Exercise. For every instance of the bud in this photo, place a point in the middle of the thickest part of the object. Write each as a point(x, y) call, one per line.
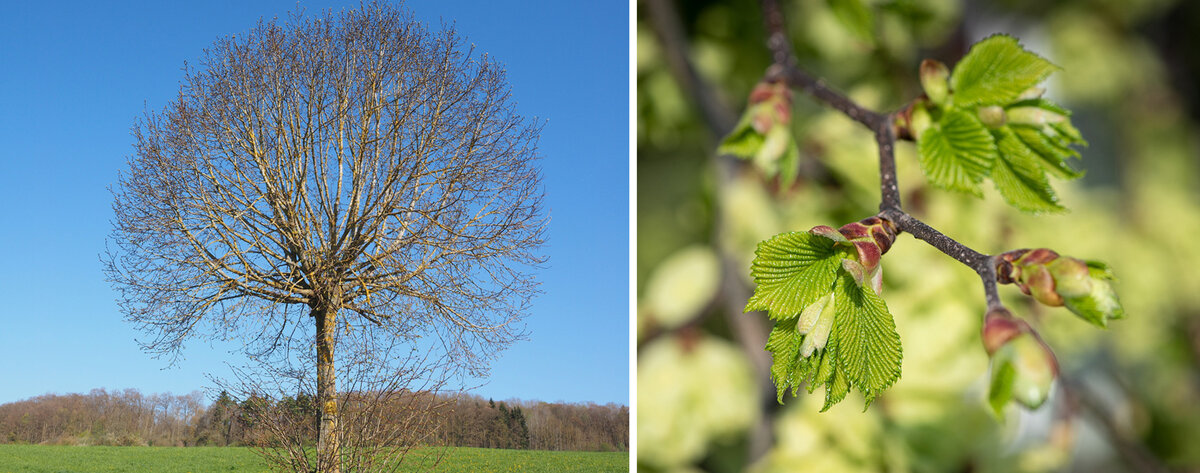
point(920, 120)
point(812, 313)
point(1035, 368)
point(999, 326)
point(770, 105)
point(773, 147)
point(871, 237)
point(1023, 367)
point(1031, 93)
point(827, 232)
point(1084, 287)
point(764, 134)
point(1032, 116)
point(933, 80)
point(992, 116)
point(819, 325)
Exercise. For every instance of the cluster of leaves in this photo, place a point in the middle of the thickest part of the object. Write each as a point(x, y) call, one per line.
point(989, 119)
point(986, 119)
point(764, 134)
point(832, 328)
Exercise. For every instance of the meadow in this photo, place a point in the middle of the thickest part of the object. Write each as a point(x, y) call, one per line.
point(95, 459)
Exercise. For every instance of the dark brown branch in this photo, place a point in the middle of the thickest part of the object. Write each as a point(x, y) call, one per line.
point(818, 90)
point(889, 189)
point(881, 124)
point(785, 62)
point(982, 264)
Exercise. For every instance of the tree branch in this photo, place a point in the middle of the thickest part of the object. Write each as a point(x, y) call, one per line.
point(984, 265)
point(885, 136)
point(889, 189)
point(786, 67)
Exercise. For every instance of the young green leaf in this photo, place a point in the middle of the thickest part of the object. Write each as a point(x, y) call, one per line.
point(1000, 390)
point(744, 141)
point(996, 71)
point(866, 338)
point(784, 345)
point(789, 164)
point(1020, 178)
point(832, 329)
point(862, 349)
point(1100, 303)
point(791, 271)
point(763, 135)
point(957, 152)
point(836, 390)
point(790, 367)
point(1052, 154)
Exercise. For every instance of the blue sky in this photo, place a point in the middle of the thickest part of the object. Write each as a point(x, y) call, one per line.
point(75, 75)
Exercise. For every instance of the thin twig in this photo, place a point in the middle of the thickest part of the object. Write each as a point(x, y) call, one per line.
point(889, 189)
point(781, 52)
point(982, 264)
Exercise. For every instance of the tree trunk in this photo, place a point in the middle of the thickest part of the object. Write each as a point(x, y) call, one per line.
point(328, 447)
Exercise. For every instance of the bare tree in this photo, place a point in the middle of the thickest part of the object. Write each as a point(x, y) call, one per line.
point(345, 170)
point(388, 403)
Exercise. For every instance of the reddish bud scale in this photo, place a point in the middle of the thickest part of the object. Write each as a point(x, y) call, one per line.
point(762, 92)
point(1006, 272)
point(1044, 274)
point(855, 231)
point(868, 254)
point(827, 232)
point(1039, 283)
point(1038, 256)
point(999, 326)
point(1013, 255)
point(771, 101)
point(872, 237)
point(883, 231)
point(783, 109)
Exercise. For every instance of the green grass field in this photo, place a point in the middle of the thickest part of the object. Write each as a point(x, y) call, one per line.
point(59, 459)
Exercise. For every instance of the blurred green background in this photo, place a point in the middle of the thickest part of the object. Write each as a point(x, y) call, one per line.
point(705, 402)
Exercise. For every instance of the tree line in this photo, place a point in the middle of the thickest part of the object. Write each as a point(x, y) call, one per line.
point(128, 417)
